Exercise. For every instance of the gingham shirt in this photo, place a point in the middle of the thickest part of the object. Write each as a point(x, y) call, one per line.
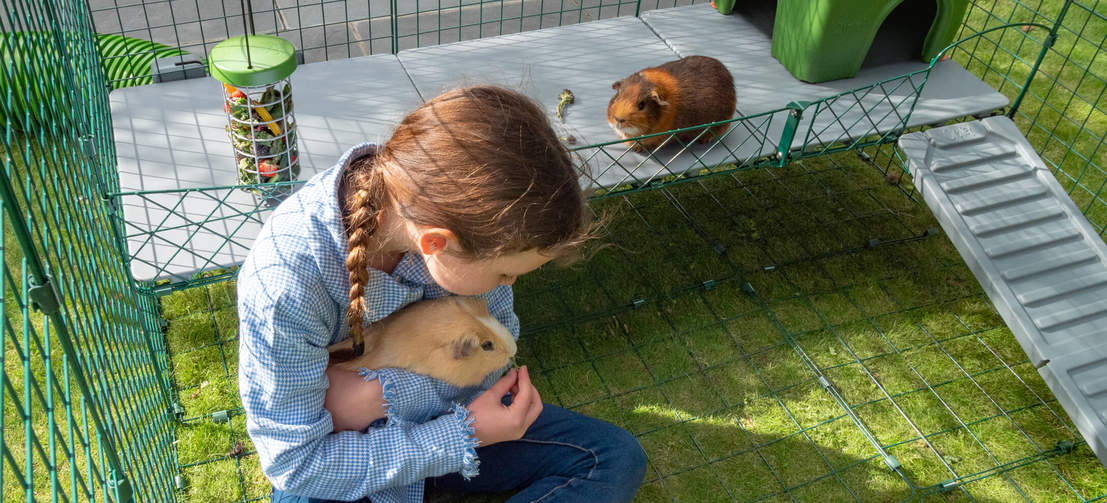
point(292, 298)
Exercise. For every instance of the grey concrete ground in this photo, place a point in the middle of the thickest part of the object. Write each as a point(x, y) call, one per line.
point(335, 29)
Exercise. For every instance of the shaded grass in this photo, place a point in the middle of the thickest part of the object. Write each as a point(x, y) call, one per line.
point(720, 384)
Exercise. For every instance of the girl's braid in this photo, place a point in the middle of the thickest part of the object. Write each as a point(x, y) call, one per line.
point(365, 197)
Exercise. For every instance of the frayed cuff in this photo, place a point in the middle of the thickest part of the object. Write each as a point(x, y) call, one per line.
point(388, 392)
point(470, 463)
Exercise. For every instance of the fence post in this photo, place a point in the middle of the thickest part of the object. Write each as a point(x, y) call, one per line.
point(1046, 45)
point(392, 16)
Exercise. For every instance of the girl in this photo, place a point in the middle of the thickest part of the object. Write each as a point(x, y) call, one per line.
point(472, 190)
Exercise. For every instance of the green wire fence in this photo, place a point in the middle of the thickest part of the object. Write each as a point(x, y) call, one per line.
point(738, 349)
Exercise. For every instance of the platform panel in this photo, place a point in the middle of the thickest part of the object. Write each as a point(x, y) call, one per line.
point(744, 44)
point(584, 58)
point(1040, 261)
point(171, 136)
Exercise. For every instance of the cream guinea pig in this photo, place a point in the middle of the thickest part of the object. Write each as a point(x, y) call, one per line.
point(452, 338)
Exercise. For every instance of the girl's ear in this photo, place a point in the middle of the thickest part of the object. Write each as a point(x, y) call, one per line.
point(434, 240)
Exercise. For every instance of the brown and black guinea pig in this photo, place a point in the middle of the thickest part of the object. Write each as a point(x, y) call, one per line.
point(453, 338)
point(678, 94)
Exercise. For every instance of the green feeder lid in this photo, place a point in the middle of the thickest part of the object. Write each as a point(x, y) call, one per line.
point(272, 59)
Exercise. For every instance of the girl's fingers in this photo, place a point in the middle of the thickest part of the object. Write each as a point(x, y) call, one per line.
point(507, 382)
point(521, 401)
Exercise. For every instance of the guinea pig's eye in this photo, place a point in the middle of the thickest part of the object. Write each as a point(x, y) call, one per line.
point(487, 346)
point(641, 105)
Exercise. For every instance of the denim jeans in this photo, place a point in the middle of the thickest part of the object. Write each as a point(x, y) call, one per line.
point(564, 457)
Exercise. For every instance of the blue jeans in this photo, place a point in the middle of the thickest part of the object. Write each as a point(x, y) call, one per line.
point(564, 457)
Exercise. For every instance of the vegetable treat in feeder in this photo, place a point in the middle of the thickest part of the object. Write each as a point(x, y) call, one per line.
point(257, 97)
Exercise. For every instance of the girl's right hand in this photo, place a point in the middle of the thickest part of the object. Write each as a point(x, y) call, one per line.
point(494, 422)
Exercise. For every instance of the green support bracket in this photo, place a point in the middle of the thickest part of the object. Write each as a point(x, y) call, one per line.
point(44, 297)
point(220, 416)
point(637, 303)
point(709, 284)
point(88, 145)
point(892, 462)
point(121, 486)
point(790, 127)
point(162, 290)
point(748, 288)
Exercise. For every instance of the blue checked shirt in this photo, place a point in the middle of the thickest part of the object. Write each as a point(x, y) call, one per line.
point(292, 298)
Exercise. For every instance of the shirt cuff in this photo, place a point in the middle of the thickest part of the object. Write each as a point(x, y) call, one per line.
point(457, 421)
point(470, 463)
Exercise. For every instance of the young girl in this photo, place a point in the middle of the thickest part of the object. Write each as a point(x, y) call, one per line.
point(472, 190)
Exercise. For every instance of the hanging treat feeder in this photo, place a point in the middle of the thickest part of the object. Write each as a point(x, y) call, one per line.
point(257, 96)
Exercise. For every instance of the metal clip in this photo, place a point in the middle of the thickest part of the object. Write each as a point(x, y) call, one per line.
point(44, 297)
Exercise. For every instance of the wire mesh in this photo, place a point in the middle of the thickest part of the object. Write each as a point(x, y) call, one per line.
point(767, 334)
point(785, 333)
point(333, 29)
point(1062, 112)
point(83, 379)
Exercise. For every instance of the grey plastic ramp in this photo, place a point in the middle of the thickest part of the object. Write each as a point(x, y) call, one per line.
point(585, 58)
point(763, 84)
point(171, 136)
point(1040, 261)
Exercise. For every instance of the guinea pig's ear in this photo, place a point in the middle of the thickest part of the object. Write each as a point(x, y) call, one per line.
point(616, 84)
point(464, 346)
point(657, 97)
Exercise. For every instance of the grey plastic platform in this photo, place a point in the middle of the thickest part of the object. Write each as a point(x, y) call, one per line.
point(763, 84)
point(1037, 257)
point(172, 136)
point(585, 58)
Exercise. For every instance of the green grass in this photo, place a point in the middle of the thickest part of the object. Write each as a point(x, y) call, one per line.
point(715, 369)
point(726, 407)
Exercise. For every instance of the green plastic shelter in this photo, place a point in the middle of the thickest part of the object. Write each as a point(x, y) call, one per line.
point(821, 40)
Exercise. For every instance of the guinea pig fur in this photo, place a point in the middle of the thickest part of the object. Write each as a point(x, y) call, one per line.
point(452, 338)
point(678, 94)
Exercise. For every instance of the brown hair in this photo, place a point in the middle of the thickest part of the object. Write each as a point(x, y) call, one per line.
point(481, 161)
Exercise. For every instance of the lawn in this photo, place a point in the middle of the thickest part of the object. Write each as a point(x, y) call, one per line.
point(660, 334)
point(774, 334)
point(770, 335)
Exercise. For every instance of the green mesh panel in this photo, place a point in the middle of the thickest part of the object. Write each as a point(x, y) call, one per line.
point(776, 328)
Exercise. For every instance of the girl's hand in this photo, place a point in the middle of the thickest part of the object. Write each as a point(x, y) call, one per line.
point(494, 422)
point(352, 402)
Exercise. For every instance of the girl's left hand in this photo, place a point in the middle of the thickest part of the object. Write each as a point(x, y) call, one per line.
point(353, 402)
point(494, 422)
